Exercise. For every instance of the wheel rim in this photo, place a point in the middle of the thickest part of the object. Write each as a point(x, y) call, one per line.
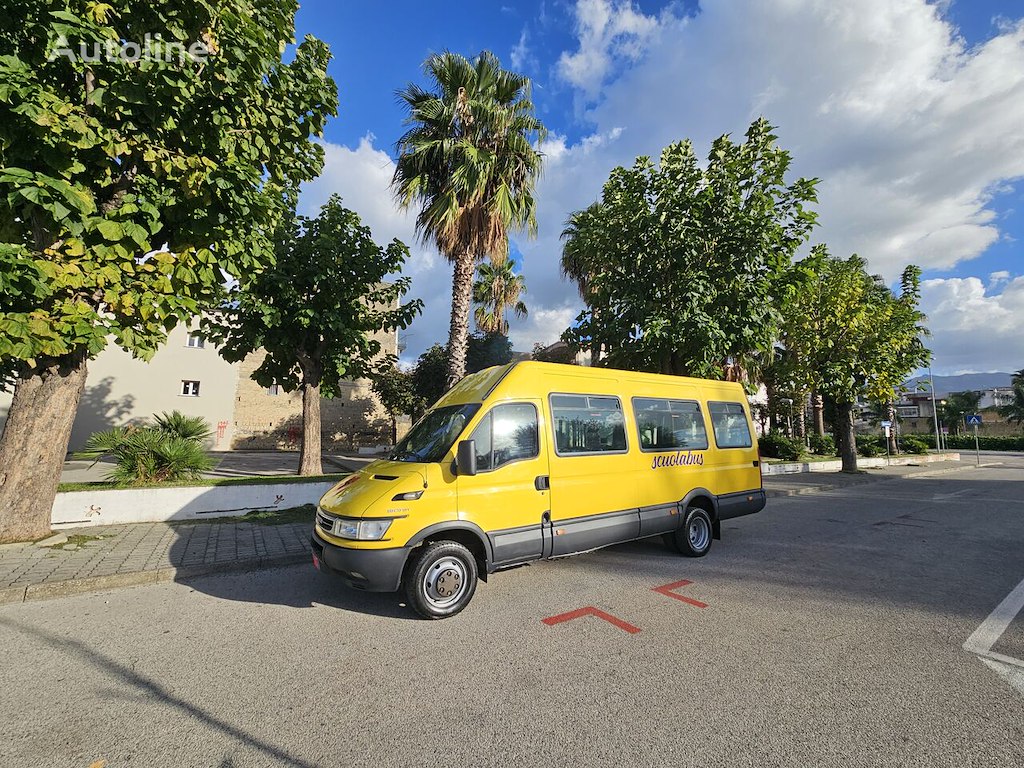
point(699, 533)
point(445, 582)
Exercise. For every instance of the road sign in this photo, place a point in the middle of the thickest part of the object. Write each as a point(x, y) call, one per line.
point(973, 419)
point(945, 430)
point(886, 424)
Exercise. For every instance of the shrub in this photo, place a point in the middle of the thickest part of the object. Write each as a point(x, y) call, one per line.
point(823, 445)
point(912, 444)
point(776, 446)
point(171, 450)
point(986, 442)
point(869, 446)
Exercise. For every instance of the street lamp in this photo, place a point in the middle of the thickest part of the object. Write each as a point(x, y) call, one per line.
point(935, 412)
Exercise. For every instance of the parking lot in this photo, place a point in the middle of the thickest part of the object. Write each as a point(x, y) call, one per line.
point(827, 630)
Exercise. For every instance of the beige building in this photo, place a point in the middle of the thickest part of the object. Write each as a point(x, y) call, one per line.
point(190, 376)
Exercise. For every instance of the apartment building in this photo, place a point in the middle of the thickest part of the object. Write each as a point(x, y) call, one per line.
point(190, 376)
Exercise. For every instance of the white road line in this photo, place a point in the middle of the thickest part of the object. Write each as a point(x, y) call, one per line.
point(992, 628)
point(984, 637)
point(953, 495)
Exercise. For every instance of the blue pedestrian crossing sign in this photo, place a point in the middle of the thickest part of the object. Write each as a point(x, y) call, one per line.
point(973, 419)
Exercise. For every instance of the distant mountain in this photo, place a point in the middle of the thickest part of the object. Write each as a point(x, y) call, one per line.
point(962, 383)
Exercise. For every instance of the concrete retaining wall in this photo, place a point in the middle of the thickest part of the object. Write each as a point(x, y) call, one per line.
point(862, 463)
point(74, 509)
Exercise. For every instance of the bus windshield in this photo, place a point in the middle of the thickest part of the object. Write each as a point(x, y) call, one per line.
point(433, 435)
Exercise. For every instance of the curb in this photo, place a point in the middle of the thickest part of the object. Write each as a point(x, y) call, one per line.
point(784, 492)
point(55, 589)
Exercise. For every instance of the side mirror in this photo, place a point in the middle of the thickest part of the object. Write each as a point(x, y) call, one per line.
point(465, 457)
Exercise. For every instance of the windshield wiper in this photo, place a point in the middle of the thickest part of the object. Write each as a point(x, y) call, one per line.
point(400, 455)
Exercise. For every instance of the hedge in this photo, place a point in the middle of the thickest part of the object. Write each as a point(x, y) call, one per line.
point(985, 442)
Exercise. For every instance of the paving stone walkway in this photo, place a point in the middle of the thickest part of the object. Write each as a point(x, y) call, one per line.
point(102, 557)
point(144, 552)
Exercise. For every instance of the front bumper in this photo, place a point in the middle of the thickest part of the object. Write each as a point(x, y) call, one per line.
point(371, 570)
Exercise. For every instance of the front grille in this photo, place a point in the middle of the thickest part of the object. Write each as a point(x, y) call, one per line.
point(326, 522)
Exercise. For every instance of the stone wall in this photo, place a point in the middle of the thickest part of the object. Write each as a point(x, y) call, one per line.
point(263, 420)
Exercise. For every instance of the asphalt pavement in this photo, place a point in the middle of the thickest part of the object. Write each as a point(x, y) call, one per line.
point(826, 630)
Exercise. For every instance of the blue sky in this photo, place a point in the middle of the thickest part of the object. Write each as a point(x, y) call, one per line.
point(909, 111)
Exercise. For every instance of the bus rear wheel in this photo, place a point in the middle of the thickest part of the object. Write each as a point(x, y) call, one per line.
point(694, 537)
point(441, 579)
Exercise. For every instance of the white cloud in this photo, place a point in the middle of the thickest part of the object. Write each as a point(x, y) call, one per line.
point(974, 329)
point(520, 56)
point(911, 132)
point(362, 176)
point(609, 33)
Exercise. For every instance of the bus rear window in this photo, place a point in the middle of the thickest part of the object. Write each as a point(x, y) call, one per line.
point(729, 422)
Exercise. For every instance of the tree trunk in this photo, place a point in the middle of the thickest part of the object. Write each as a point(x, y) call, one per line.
point(819, 413)
point(890, 415)
point(847, 443)
point(458, 331)
point(34, 443)
point(309, 458)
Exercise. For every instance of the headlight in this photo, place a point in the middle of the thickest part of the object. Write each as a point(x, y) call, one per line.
point(360, 530)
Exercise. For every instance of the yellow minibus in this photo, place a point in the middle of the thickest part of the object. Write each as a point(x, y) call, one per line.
point(532, 461)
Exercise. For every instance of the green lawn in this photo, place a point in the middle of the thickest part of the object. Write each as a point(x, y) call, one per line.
point(104, 485)
point(303, 514)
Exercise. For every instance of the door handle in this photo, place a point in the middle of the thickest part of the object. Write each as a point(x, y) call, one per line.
point(541, 483)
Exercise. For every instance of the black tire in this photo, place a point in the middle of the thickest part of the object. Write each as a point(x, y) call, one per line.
point(440, 579)
point(694, 537)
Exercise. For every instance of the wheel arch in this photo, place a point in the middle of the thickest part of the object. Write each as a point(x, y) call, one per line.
point(706, 500)
point(465, 533)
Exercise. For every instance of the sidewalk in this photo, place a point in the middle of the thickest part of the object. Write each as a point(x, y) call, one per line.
point(816, 482)
point(104, 557)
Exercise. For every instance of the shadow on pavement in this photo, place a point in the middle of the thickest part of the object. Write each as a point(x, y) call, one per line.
point(151, 689)
point(299, 586)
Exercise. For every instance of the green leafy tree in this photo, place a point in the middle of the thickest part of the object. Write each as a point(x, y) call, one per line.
point(497, 289)
point(129, 184)
point(397, 393)
point(955, 405)
point(849, 336)
point(487, 350)
point(469, 163)
point(170, 450)
point(315, 312)
point(430, 374)
point(1014, 410)
point(680, 266)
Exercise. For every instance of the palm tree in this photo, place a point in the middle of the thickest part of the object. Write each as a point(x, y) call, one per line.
point(497, 289)
point(579, 247)
point(469, 162)
point(581, 255)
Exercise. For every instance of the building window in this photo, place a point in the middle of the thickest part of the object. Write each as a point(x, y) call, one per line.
point(274, 389)
point(195, 342)
point(190, 388)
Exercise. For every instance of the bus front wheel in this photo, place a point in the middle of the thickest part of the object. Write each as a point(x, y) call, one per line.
point(441, 579)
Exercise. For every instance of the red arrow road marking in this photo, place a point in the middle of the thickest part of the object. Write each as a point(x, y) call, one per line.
point(591, 611)
point(666, 590)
